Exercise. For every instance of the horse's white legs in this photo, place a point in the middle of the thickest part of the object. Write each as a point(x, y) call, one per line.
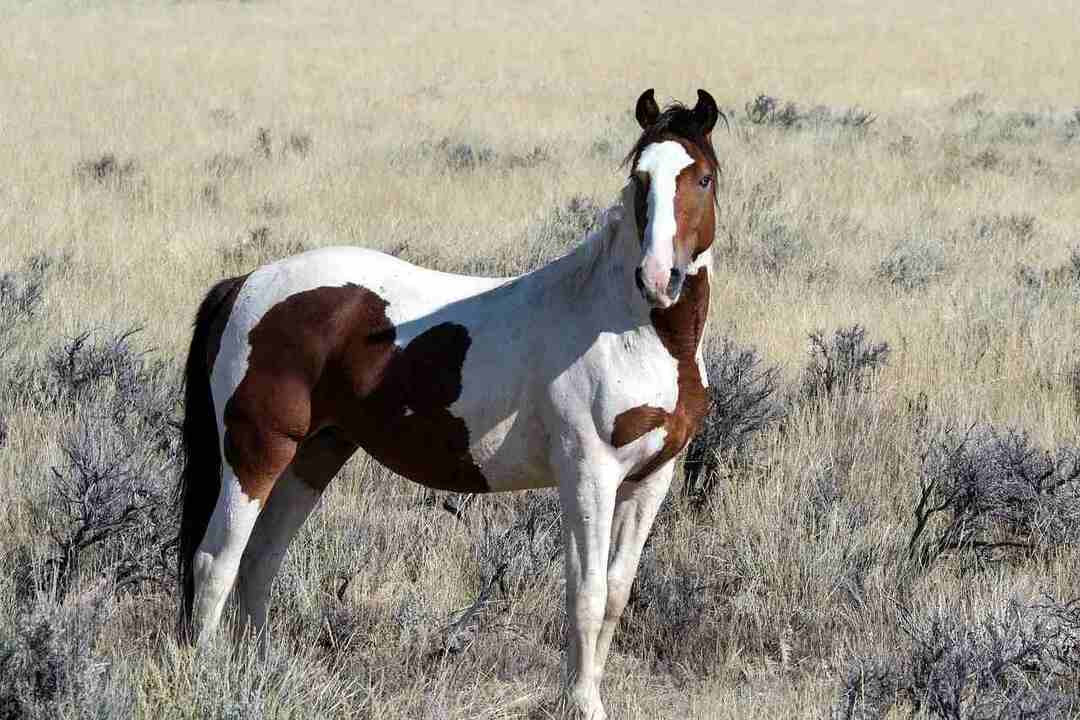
point(636, 505)
point(218, 557)
point(587, 495)
point(295, 495)
point(290, 503)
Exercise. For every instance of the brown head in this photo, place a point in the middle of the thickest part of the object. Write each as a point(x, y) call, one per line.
point(674, 170)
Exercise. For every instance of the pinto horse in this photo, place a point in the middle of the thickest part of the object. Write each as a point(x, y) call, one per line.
point(585, 374)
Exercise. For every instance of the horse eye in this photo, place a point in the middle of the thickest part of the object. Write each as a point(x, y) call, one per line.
point(704, 182)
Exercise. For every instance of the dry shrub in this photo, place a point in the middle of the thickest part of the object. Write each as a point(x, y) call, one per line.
point(743, 401)
point(299, 143)
point(105, 509)
point(988, 494)
point(512, 561)
point(773, 112)
point(106, 170)
point(22, 293)
point(913, 265)
point(52, 667)
point(844, 364)
point(1018, 663)
point(1063, 277)
point(264, 146)
point(1013, 227)
point(224, 165)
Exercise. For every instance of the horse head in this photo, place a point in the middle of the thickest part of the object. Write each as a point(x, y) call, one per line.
point(674, 169)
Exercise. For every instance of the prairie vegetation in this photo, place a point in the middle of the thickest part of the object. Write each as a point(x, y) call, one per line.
point(881, 517)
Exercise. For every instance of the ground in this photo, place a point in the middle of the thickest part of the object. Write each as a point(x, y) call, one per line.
point(914, 171)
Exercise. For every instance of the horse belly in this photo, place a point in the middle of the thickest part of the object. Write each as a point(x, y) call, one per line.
point(512, 456)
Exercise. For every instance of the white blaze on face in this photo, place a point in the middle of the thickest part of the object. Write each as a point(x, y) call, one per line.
point(662, 162)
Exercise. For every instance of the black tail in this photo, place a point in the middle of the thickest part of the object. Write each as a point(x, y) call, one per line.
point(200, 481)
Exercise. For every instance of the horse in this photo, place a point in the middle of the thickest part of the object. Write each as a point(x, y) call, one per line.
point(585, 374)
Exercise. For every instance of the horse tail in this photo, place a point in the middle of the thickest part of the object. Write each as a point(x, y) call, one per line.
point(200, 481)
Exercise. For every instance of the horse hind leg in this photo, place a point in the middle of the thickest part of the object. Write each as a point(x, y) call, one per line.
point(295, 495)
point(255, 462)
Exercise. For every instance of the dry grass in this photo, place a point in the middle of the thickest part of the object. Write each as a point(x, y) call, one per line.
point(150, 149)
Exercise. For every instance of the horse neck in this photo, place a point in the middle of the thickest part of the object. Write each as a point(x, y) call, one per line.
point(598, 275)
point(593, 286)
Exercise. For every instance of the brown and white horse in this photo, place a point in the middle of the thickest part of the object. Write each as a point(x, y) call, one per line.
point(585, 374)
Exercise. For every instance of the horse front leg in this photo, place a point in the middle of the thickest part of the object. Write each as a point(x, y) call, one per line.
point(587, 496)
point(636, 505)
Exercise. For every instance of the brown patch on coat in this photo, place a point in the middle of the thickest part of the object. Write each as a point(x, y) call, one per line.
point(326, 358)
point(695, 207)
point(680, 328)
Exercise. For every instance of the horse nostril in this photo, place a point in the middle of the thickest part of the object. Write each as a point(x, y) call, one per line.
point(675, 282)
point(639, 281)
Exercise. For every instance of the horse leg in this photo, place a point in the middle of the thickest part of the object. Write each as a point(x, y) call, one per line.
point(636, 505)
point(295, 495)
point(587, 496)
point(263, 457)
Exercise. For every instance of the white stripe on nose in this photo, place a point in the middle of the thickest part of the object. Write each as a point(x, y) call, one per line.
point(662, 161)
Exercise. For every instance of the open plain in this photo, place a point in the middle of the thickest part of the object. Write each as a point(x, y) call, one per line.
point(883, 515)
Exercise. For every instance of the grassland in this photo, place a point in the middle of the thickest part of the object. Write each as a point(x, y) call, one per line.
point(149, 149)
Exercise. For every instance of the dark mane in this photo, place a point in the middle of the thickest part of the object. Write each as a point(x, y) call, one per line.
point(676, 120)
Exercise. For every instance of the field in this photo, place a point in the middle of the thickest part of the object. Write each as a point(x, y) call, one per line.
point(882, 517)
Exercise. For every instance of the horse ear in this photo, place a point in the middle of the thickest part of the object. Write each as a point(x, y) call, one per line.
point(706, 112)
point(647, 110)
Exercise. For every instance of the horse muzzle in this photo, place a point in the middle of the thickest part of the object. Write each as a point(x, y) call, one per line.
point(660, 292)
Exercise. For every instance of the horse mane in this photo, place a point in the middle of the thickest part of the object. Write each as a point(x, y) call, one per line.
point(678, 120)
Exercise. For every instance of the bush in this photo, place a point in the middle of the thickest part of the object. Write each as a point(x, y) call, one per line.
point(1014, 227)
point(987, 159)
point(22, 293)
point(263, 143)
point(106, 376)
point(116, 413)
point(742, 403)
point(299, 144)
point(112, 496)
point(988, 494)
point(106, 170)
point(225, 165)
point(1014, 664)
point(458, 156)
point(510, 562)
point(913, 266)
point(773, 112)
point(842, 365)
point(50, 668)
point(1063, 277)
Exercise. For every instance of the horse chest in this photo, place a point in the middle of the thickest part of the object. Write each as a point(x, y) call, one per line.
point(657, 432)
